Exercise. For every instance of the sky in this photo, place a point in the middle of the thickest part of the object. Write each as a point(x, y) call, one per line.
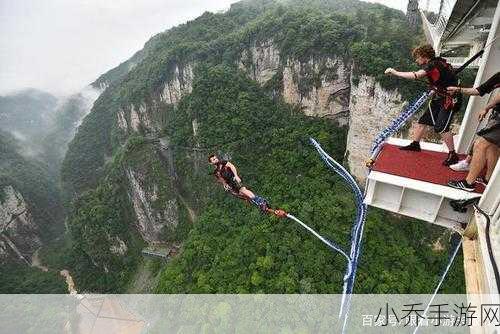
point(61, 46)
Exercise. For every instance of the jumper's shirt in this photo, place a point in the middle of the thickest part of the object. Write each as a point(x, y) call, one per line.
point(223, 171)
point(440, 74)
point(442, 106)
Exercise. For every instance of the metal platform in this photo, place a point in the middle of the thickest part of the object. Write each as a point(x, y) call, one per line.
point(416, 197)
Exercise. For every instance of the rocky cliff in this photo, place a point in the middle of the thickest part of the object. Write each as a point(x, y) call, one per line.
point(371, 109)
point(319, 86)
point(19, 233)
point(155, 217)
point(301, 56)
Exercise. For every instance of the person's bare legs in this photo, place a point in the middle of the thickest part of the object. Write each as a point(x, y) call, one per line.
point(492, 154)
point(447, 138)
point(246, 192)
point(419, 132)
point(478, 159)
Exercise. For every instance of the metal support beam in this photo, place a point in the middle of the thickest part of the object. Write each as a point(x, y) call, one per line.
point(429, 33)
point(489, 65)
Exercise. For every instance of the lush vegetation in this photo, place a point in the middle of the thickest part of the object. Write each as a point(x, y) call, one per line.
point(19, 278)
point(100, 219)
point(83, 163)
point(232, 248)
point(32, 180)
point(299, 29)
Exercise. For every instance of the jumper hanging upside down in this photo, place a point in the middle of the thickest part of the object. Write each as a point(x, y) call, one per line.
point(227, 174)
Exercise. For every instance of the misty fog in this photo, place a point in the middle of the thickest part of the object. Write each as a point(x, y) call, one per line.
point(61, 46)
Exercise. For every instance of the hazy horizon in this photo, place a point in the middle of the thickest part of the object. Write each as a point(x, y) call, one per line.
point(60, 47)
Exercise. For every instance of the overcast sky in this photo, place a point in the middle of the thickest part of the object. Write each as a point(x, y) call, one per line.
point(60, 46)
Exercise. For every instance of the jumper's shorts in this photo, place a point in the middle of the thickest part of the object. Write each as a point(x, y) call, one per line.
point(491, 131)
point(235, 186)
point(438, 116)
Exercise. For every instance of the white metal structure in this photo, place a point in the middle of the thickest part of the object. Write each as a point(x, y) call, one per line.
point(414, 198)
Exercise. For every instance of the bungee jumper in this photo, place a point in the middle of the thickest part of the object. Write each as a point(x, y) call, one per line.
point(443, 103)
point(226, 173)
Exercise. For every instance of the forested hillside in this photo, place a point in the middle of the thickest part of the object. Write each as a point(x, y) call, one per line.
point(30, 177)
point(234, 249)
point(30, 216)
point(136, 173)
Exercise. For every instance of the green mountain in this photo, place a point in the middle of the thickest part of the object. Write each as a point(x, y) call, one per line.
point(65, 121)
point(35, 129)
point(30, 216)
point(251, 84)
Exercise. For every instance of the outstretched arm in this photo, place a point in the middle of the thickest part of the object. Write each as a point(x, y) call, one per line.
point(466, 91)
point(235, 172)
point(406, 75)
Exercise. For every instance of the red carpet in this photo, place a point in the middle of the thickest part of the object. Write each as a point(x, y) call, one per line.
point(424, 166)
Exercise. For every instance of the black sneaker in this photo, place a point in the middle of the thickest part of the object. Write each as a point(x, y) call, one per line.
point(414, 146)
point(451, 159)
point(462, 185)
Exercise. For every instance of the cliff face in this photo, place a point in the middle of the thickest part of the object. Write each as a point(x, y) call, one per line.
point(154, 217)
point(148, 117)
point(372, 108)
point(180, 84)
point(320, 86)
point(19, 234)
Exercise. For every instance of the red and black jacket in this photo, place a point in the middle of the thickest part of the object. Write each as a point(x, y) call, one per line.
point(441, 75)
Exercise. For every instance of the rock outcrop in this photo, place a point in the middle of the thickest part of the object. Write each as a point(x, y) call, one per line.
point(319, 86)
point(153, 216)
point(372, 108)
point(328, 91)
point(180, 84)
point(19, 234)
point(261, 62)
